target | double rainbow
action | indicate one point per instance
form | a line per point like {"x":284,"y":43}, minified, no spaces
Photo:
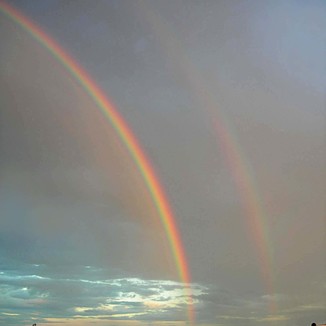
{"x":126,"y":136}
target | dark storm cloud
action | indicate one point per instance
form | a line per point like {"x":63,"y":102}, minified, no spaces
{"x":48,"y":243}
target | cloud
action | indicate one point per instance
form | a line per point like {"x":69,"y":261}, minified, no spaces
{"x":74,"y":295}
{"x":77,"y":237}
{"x":83,"y":292}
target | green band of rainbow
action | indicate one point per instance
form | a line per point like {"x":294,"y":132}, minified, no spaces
{"x":127,"y":137}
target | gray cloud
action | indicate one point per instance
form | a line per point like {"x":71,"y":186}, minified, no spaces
{"x":78,"y":227}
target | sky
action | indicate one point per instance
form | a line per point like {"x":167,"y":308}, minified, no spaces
{"x":227,"y":100}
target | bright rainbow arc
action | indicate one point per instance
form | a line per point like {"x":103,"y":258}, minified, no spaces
{"x":127,"y":137}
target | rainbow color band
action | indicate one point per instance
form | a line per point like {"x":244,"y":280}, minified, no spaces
{"x":125,"y":134}
{"x":235,"y":159}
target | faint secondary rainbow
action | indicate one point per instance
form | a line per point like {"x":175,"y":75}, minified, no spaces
{"x":125,"y":134}
{"x":244,"y":180}
{"x":235,"y":159}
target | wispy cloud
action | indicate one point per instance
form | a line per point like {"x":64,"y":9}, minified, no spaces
{"x":75,"y":296}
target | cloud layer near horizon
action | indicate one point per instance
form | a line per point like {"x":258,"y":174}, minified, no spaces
{"x":43,"y":293}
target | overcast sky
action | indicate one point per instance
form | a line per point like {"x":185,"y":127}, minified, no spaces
{"x":80,"y":239}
